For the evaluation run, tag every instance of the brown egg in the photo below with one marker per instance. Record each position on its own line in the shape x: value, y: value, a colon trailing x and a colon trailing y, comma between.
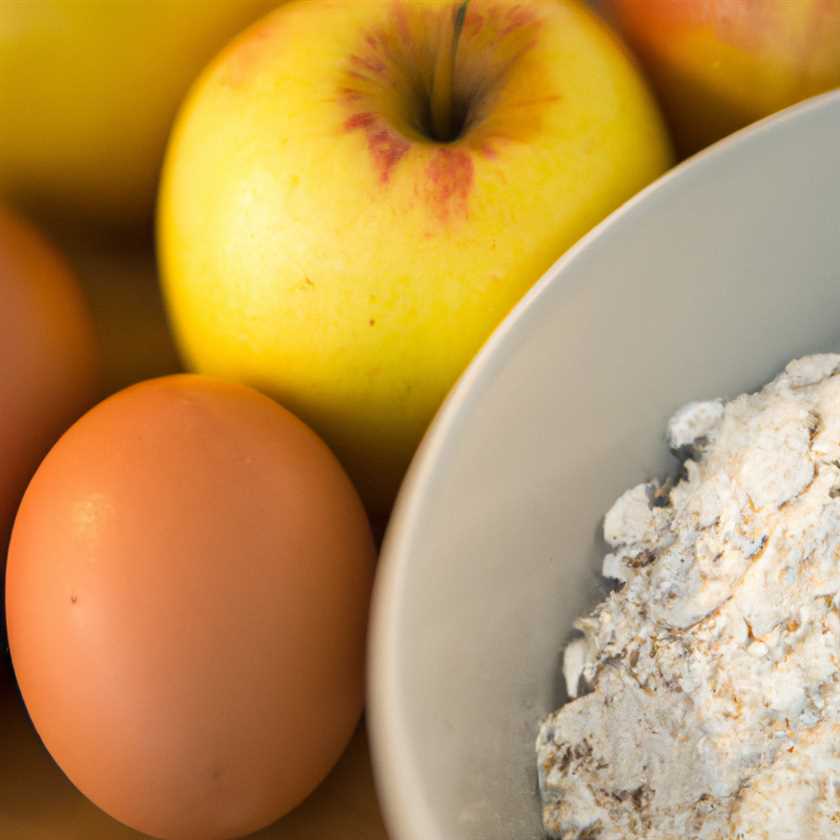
x: 187, y: 595
x: 49, y: 360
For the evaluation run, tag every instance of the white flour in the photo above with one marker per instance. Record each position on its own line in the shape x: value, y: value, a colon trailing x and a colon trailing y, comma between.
x: 713, y: 709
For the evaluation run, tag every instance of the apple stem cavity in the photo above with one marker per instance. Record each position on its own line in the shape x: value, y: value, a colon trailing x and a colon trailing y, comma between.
x: 446, y: 125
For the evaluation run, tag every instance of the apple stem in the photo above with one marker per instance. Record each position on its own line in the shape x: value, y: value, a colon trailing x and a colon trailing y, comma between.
x: 442, y: 110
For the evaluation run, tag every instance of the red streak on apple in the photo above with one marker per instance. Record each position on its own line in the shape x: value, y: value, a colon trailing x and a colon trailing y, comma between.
x: 384, y: 87
x: 450, y: 174
x: 385, y: 145
x: 363, y: 120
x: 374, y: 65
x: 401, y: 17
x: 518, y: 17
x: 473, y: 23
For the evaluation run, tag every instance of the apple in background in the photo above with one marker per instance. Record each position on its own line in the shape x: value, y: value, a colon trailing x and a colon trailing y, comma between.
x: 88, y: 92
x: 718, y: 65
x: 355, y: 194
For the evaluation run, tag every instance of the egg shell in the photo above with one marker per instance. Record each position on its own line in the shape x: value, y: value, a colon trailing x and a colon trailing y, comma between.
x: 187, y: 593
x: 49, y: 357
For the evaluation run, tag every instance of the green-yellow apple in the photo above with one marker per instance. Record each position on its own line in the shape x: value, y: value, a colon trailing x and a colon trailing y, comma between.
x: 356, y: 193
x: 88, y: 91
x: 718, y: 65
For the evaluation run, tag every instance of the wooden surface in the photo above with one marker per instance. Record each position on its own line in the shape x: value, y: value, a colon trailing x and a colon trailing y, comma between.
x: 36, y: 800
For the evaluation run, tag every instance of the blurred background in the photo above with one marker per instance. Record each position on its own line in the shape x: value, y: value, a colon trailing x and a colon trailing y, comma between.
x: 89, y: 90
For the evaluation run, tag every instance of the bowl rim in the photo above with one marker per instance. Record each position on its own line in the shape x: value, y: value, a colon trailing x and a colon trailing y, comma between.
x: 397, y: 780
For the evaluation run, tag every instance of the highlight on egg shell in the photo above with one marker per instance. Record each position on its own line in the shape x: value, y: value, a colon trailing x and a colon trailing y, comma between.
x: 187, y: 594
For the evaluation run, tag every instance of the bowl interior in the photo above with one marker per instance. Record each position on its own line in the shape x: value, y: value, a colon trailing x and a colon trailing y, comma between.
x: 703, y: 286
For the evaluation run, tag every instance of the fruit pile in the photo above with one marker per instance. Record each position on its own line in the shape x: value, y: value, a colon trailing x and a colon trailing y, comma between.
x: 349, y: 197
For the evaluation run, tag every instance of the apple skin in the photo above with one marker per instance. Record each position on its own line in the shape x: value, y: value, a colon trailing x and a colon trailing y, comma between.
x: 92, y: 89
x: 314, y: 243
x: 719, y: 65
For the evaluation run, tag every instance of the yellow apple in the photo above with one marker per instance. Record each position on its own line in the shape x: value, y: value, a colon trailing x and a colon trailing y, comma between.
x: 720, y: 65
x: 356, y: 193
x: 88, y: 91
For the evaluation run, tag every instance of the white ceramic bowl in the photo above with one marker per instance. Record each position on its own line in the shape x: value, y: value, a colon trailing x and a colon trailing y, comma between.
x: 704, y: 285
